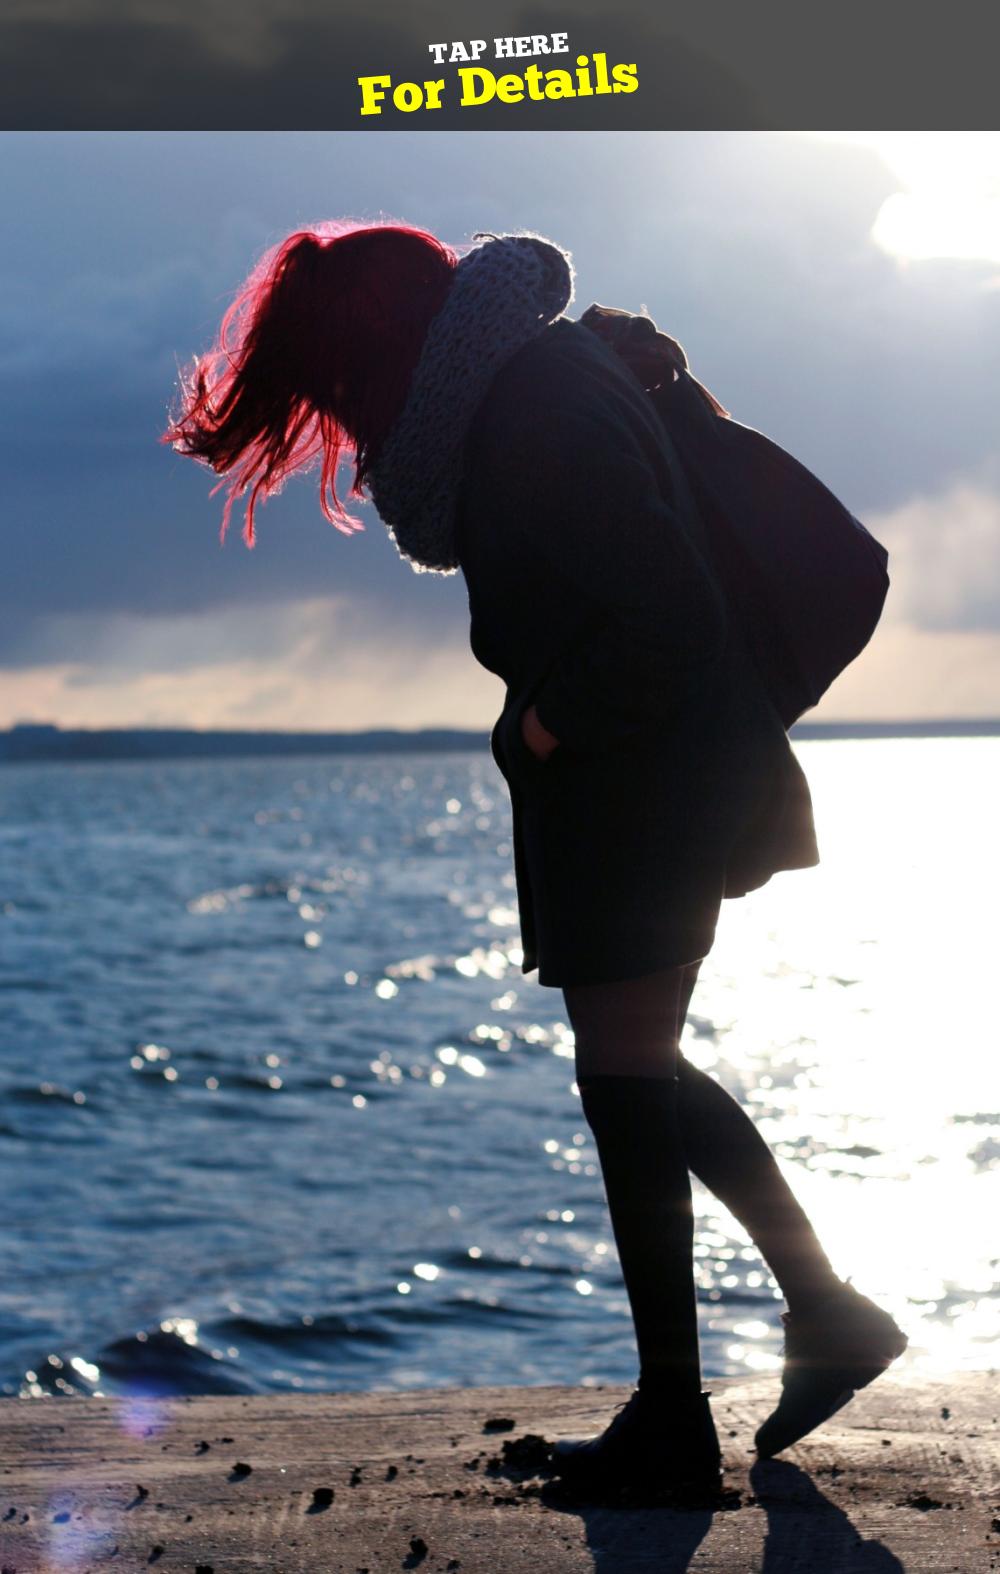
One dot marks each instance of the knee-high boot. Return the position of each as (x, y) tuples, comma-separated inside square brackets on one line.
[(666, 1429)]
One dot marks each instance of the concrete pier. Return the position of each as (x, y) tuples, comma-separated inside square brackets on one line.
[(452, 1481)]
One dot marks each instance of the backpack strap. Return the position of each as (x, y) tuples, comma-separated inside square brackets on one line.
[(652, 355)]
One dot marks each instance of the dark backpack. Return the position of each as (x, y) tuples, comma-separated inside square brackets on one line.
[(805, 580)]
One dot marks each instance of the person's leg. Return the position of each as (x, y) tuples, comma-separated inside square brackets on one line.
[(626, 1061), (726, 1152)]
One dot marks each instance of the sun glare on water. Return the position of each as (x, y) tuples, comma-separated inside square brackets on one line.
[(871, 1069)]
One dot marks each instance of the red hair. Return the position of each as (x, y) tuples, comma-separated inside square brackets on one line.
[(313, 361)]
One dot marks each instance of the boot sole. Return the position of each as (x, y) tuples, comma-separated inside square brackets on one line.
[(582, 1472), (601, 1488), (847, 1383)]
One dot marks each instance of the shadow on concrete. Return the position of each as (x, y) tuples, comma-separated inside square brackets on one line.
[(625, 1533), (630, 1540), (799, 1516), (803, 1528)]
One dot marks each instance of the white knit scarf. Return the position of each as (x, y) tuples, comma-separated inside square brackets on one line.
[(503, 293)]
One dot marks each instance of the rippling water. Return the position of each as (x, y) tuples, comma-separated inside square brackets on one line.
[(279, 1109)]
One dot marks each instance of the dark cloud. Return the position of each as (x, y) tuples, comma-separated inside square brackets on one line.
[(753, 250)]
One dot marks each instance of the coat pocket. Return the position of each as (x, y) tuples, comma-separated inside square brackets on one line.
[(517, 762)]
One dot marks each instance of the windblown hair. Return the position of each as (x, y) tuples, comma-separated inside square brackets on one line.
[(313, 361)]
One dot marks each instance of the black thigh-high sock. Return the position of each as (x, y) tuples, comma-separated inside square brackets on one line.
[(635, 1124), (727, 1153)]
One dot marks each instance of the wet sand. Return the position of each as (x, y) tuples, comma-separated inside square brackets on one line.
[(452, 1481)]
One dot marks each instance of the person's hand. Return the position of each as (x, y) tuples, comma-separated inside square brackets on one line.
[(537, 738)]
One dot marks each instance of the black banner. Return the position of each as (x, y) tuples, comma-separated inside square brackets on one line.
[(388, 65)]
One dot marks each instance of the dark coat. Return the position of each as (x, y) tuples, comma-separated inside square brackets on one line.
[(674, 784)]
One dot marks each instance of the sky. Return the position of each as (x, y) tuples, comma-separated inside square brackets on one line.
[(840, 291)]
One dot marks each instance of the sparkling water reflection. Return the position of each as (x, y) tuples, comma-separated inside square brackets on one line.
[(280, 1110)]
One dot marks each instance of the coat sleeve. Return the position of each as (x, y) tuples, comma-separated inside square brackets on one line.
[(583, 495)]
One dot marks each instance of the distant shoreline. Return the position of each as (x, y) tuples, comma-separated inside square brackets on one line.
[(31, 743)]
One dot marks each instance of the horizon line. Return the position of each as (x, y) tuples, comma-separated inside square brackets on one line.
[(179, 728)]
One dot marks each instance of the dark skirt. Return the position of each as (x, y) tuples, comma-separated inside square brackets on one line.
[(604, 893), (622, 859)]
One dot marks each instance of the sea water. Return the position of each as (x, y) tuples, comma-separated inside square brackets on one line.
[(279, 1110)]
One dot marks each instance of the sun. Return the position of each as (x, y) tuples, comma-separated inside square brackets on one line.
[(949, 202)]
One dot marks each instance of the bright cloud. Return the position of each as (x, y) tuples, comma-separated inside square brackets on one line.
[(311, 666), (945, 559)]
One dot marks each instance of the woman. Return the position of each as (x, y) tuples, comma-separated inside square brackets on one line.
[(649, 775)]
